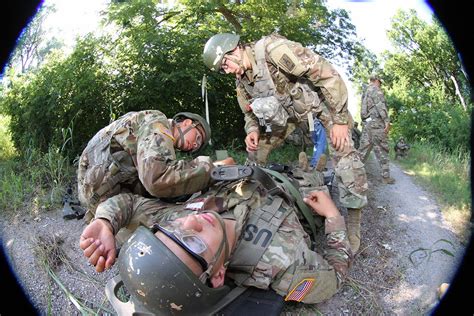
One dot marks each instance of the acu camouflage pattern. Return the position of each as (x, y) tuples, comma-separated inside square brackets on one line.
[(285, 262), (374, 115), (136, 154), (293, 68)]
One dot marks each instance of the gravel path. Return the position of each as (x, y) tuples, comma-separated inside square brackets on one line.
[(401, 222)]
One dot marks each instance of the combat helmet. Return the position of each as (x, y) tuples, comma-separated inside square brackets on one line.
[(158, 282), (216, 47), (375, 76), (200, 123)]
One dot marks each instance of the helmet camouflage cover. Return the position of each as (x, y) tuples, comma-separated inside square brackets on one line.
[(216, 47)]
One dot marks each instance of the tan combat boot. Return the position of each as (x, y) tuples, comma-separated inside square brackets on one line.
[(388, 180), (353, 228), (303, 161), (321, 163)]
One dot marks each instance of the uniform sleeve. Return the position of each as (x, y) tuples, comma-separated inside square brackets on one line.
[(159, 171), (318, 277), (364, 114), (381, 105), (300, 61), (251, 124), (123, 209)]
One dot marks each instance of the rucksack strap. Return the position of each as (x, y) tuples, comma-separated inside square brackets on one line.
[(304, 209)]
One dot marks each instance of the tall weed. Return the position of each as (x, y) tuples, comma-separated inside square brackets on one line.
[(445, 173), (34, 179)]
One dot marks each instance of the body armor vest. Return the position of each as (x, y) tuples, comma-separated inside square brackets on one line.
[(297, 98)]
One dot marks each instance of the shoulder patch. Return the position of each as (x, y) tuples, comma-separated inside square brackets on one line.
[(163, 130), (300, 290), (287, 62)]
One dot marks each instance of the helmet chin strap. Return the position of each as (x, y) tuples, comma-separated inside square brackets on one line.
[(224, 244), (181, 133)]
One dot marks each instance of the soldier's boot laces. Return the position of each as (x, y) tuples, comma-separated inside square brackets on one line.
[(353, 228), (388, 180)]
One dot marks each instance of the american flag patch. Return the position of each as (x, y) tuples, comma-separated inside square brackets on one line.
[(299, 291)]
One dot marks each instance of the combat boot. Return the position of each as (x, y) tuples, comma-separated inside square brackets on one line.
[(321, 163), (353, 228), (303, 161), (388, 180)]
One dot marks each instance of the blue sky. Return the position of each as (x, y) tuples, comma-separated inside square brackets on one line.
[(372, 18)]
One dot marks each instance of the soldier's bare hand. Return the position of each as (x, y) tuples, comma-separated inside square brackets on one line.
[(251, 141), (321, 203), (98, 242), (339, 135), (387, 128)]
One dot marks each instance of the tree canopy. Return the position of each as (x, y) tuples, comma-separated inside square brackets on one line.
[(149, 57)]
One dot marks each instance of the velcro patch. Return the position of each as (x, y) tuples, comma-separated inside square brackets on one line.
[(300, 290), (163, 130), (287, 62)]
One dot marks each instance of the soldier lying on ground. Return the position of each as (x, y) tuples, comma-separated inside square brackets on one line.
[(136, 153), (401, 148), (247, 230)]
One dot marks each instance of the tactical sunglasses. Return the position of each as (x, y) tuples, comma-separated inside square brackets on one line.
[(186, 239)]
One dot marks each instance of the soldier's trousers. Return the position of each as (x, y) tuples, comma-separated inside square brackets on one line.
[(349, 169), (375, 138)]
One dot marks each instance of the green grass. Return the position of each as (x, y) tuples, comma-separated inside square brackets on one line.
[(444, 174), (35, 182)]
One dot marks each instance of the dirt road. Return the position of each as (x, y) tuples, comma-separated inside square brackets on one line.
[(396, 272)]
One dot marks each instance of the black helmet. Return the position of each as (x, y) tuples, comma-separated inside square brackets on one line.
[(198, 120), (158, 282)]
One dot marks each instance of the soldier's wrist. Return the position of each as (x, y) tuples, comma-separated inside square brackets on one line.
[(341, 120), (106, 222)]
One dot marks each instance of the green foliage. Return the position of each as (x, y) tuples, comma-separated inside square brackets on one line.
[(7, 150), (35, 179), (420, 87), (151, 59), (445, 173)]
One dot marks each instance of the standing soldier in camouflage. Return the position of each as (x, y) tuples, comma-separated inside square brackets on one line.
[(136, 153), (376, 125), (238, 229), (305, 86)]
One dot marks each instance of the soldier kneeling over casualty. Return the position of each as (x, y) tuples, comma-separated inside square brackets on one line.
[(401, 148), (136, 153), (242, 234)]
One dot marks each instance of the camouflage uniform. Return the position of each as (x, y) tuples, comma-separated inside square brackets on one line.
[(292, 66), (287, 260), (136, 154), (375, 118), (401, 148)]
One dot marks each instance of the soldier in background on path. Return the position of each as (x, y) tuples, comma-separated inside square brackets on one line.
[(301, 86), (376, 125), (401, 148)]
